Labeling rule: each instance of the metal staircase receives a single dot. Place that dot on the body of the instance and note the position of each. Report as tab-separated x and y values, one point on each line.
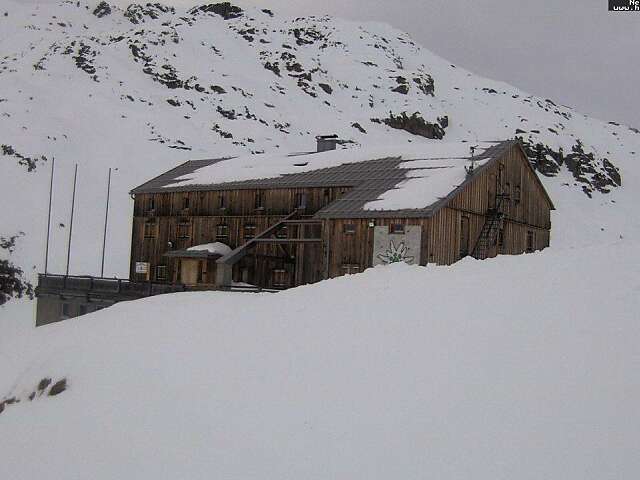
489	233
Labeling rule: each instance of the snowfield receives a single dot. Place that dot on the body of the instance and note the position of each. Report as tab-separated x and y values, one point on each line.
513	368
486	370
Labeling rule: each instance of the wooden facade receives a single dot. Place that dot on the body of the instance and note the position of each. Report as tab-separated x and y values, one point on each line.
301	253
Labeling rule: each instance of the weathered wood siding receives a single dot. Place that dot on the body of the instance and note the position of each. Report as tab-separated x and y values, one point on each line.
193	218
186	219
525	206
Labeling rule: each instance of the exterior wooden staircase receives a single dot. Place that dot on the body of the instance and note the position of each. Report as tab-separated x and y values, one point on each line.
489	234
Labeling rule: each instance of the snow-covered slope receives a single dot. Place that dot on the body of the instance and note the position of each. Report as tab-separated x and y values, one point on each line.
485	370
144	88
514	368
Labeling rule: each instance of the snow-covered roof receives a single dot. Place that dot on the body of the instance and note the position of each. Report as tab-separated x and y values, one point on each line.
410	177
206	250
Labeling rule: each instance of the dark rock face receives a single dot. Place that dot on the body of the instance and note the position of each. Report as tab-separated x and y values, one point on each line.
590	173
403	86
136	13
58	387
425	84
358	127
224	9
30	162
416	125
273	67
102	9
43	384
327	88
543	159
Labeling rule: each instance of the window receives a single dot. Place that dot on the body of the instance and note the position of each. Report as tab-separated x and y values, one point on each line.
221	200
326	196
249	231
151	205
349	228
301	200
184	230
280	278
150	229
517	194
282	233
185	203
530	241
259	200
507	190
222	232
350	268
161	273
397	228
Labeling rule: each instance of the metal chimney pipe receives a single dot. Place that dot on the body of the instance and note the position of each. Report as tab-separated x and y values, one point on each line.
326	142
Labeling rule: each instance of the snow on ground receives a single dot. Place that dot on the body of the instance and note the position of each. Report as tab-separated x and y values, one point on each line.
486	370
515	368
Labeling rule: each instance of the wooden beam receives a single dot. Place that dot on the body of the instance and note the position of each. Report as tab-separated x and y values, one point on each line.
287	240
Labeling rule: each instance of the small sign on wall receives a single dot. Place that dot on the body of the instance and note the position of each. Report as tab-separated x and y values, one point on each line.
401	245
142	267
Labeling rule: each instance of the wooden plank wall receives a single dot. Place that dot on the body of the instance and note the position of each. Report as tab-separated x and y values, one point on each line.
309	263
441	233
204	215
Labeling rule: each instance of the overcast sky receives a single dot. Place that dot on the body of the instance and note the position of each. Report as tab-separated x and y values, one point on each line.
572	51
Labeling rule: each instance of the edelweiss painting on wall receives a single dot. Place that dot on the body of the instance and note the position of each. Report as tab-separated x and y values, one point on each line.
396	243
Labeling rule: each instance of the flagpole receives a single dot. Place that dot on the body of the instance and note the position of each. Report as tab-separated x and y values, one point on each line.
73	202
46	251
106	218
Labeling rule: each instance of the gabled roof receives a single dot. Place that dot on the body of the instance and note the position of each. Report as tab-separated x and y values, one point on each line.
412	181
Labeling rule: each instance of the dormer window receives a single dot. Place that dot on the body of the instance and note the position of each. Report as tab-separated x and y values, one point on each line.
259	200
301	200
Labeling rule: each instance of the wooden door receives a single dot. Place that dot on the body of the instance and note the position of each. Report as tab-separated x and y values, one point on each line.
464	237
189	271
492	190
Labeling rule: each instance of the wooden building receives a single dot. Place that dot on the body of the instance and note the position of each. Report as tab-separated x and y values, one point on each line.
308	217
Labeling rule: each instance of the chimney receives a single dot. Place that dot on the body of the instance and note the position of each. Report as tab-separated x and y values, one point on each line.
327	142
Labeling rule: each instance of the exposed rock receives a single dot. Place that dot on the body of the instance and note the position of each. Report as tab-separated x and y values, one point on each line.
102	10
359	127
136	13
225	9
58	387
415	124
30	162
327	88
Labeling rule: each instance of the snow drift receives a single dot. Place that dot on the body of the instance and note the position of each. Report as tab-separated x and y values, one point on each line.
484	370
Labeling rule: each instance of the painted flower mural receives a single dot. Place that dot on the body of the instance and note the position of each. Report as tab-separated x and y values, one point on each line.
393	254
